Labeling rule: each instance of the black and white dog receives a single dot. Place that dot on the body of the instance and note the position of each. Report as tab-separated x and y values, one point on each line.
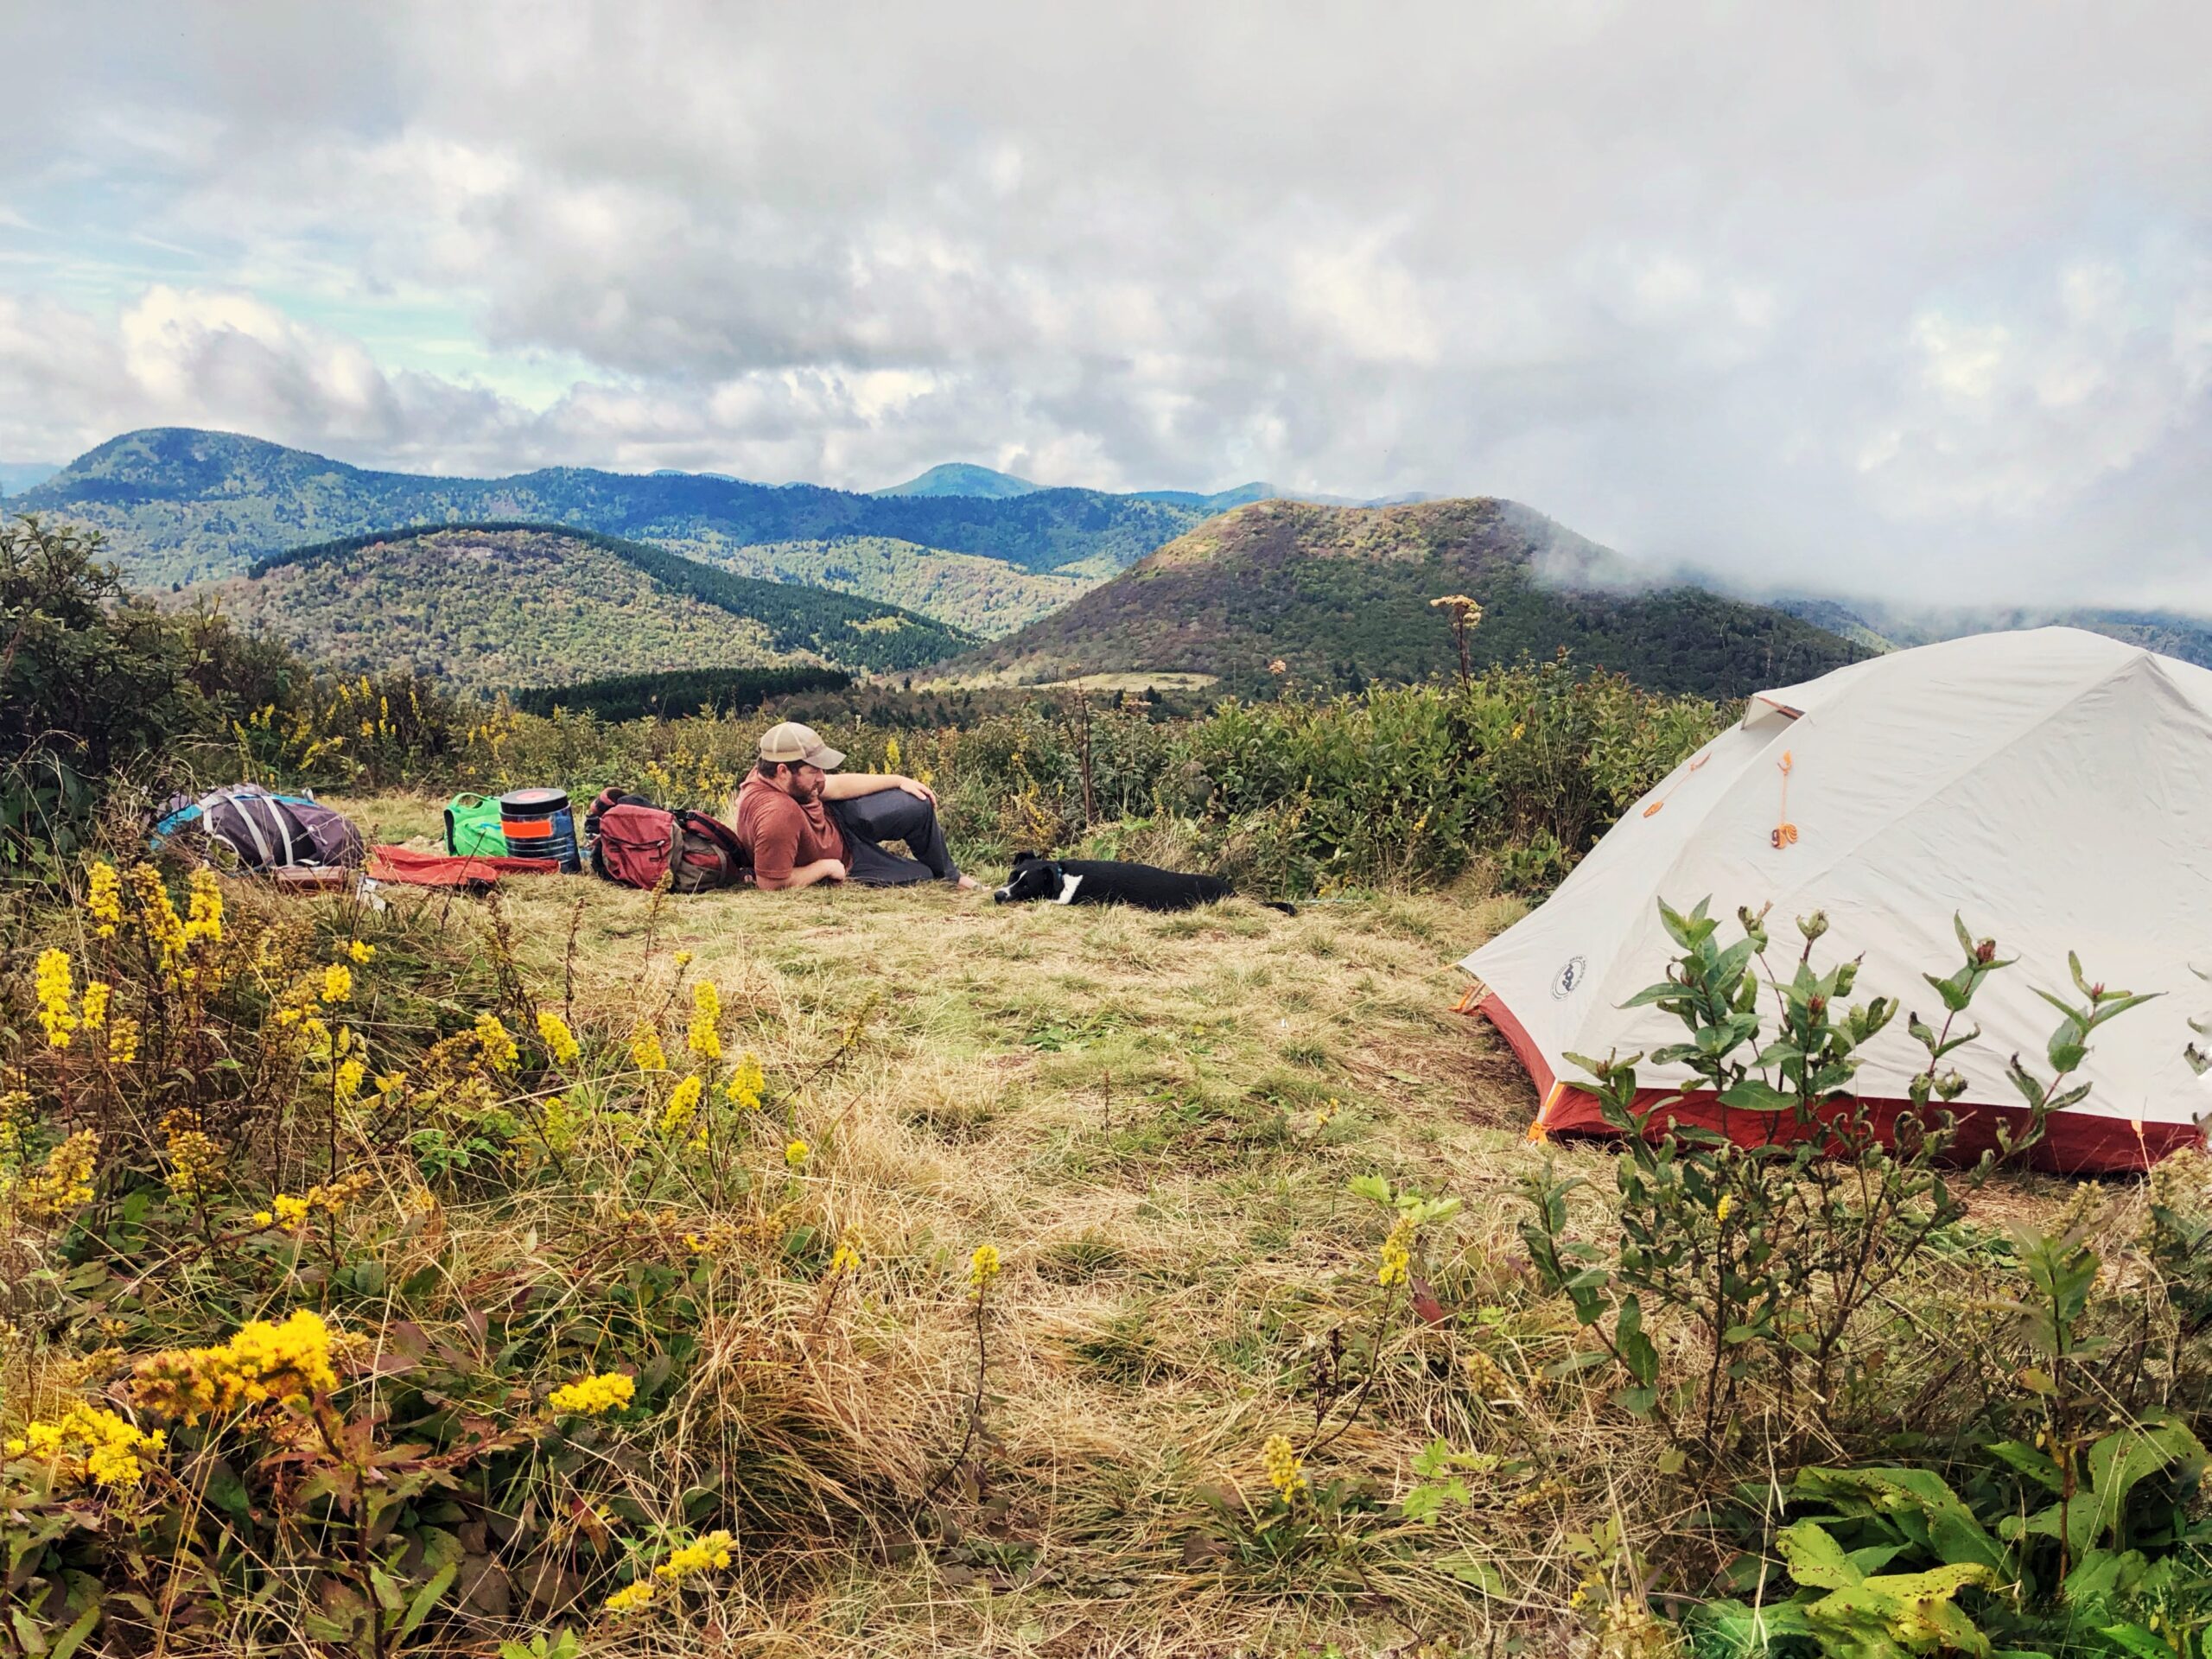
1107	881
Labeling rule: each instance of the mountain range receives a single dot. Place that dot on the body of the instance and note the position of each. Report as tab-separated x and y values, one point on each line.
502	606
1332	598
178	504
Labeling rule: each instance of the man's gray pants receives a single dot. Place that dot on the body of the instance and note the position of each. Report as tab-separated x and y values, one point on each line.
868	820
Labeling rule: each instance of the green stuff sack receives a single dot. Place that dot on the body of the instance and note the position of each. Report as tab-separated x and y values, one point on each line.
473	827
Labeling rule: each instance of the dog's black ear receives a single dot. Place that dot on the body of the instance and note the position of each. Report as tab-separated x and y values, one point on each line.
1025	858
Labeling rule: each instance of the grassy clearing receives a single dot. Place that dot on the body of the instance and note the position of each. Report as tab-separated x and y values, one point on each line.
1155	1119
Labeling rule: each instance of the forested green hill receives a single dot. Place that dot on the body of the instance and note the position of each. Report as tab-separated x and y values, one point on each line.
1340	595
490	606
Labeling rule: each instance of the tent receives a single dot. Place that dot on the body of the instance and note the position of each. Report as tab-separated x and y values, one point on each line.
2052	786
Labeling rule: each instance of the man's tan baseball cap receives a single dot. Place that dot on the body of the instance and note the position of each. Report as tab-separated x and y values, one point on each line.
792	744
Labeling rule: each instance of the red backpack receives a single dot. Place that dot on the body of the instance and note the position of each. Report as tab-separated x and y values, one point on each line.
636	844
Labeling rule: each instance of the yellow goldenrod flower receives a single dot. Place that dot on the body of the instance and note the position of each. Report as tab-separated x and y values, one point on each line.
51	982
594	1397
97	994
630	1597
682	1101
846	1258
122	1041
699	1556
1286	1473
797	1153
195	1158
982	1267
645	1052
263	1363
683	958
164	929
560	1042
290	1211
63	1183
361	951
345	1081
262	1218
337	982
745	1085
1720	1209
496	1044
104	900
89	1444
204	912
1396	1260
704	1036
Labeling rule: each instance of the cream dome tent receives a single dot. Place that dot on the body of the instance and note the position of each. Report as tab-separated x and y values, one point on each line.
2054	787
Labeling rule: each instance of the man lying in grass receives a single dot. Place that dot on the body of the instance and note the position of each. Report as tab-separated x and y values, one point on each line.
803	820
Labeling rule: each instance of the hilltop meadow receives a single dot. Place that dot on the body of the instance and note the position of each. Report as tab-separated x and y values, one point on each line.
580	1271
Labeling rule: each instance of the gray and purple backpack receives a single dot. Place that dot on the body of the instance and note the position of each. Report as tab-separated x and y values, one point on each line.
262	830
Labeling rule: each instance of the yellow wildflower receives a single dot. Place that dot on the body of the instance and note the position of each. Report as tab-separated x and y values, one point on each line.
204	911
496	1044
1286	1473
682	1101
51	981
630	1597
683	958
797	1153
746	1084
345	1081
194	1158
104	901
337	982
157	915
89	1444
696	1557
704	1036
846	1258
1720	1209
291	1210
594	1397
361	951
560	1042
982	1267
645	1052
64	1183
98	993
1397	1255
263	1363
122	1041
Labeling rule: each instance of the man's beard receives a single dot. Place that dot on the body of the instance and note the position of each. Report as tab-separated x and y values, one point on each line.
805	794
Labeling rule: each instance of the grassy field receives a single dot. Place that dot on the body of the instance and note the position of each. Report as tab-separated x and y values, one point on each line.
1155	1120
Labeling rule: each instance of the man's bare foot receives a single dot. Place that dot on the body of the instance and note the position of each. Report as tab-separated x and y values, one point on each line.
967	884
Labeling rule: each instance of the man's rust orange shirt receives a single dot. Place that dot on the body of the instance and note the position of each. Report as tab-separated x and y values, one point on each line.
781	835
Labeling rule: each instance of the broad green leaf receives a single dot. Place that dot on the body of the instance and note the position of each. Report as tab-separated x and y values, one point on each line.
1815	1558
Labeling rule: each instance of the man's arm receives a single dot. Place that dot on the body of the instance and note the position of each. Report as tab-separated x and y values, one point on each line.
823	869
850	786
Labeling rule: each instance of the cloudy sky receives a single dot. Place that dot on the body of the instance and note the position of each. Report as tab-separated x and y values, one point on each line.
1910	298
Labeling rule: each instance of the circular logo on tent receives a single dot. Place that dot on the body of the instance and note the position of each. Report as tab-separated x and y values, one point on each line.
1568	980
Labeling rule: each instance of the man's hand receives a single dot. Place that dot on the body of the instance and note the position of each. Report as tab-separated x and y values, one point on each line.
922	791
828	869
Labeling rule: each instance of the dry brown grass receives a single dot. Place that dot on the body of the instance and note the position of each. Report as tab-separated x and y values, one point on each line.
1124	1105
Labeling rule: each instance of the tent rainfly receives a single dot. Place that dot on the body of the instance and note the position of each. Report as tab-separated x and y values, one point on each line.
2053	787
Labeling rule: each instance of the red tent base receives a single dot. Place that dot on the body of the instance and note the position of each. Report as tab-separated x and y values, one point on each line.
2074	1143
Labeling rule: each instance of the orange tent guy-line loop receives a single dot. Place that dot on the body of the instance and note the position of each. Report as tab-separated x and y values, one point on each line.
1679	782
1785	833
